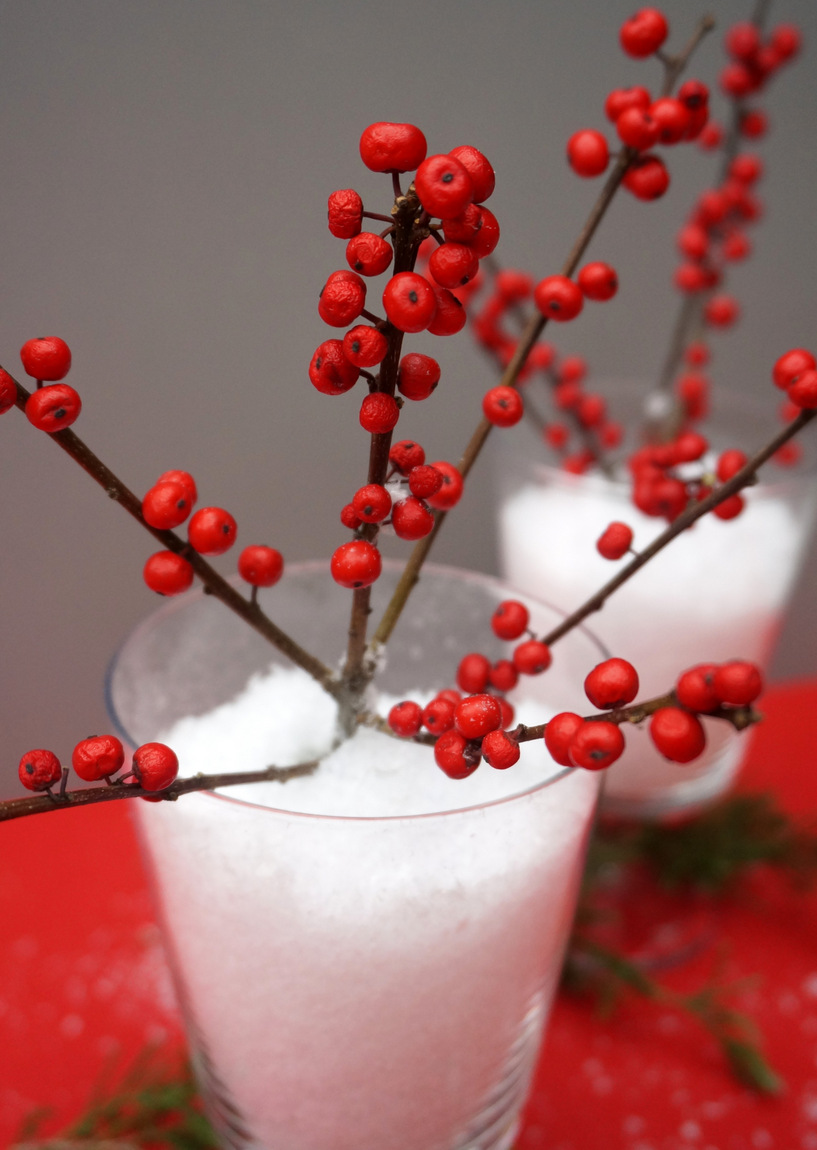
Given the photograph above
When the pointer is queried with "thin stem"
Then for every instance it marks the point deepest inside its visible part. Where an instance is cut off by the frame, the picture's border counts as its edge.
(41, 804)
(695, 511)
(214, 583)
(674, 65)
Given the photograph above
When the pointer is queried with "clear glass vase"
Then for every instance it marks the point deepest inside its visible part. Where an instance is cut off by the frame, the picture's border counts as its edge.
(718, 592)
(360, 983)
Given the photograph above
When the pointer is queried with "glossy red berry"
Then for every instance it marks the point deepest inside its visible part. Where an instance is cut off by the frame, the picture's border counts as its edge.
(418, 376)
(166, 505)
(47, 358)
(500, 750)
(647, 178)
(478, 168)
(587, 153)
(379, 413)
(167, 573)
(438, 715)
(486, 237)
(678, 735)
(155, 766)
(596, 745)
(386, 147)
(345, 212)
(473, 673)
(406, 455)
(790, 365)
(532, 657)
(342, 298)
(510, 619)
(672, 119)
(559, 733)
(503, 406)
(8, 391)
(212, 531)
(452, 265)
(330, 371)
(803, 391)
(444, 186)
(409, 303)
(356, 564)
(450, 316)
(476, 715)
(372, 503)
(53, 408)
(737, 683)
(613, 683)
(451, 489)
(637, 128)
(695, 688)
(620, 99)
(365, 346)
(558, 297)
(369, 254)
(185, 478)
(39, 770)
(260, 566)
(453, 755)
(644, 32)
(405, 718)
(98, 757)
(598, 281)
(503, 676)
(615, 541)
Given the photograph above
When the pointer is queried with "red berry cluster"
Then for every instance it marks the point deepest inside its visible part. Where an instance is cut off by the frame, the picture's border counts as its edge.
(53, 408)
(444, 206)
(153, 768)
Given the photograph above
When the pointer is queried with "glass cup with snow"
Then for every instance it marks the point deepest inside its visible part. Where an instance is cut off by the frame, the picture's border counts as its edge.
(365, 956)
(718, 592)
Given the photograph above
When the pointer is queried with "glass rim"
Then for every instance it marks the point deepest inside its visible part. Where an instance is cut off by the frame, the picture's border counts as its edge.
(320, 566)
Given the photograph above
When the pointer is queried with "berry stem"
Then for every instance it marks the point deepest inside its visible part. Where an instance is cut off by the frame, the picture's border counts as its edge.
(675, 65)
(214, 583)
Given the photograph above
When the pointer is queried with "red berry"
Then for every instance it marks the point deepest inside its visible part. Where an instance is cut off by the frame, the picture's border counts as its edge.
(615, 541)
(342, 298)
(486, 237)
(155, 766)
(166, 505)
(647, 178)
(386, 147)
(637, 128)
(477, 715)
(47, 358)
(167, 573)
(499, 750)
(596, 745)
(678, 735)
(510, 620)
(689, 447)
(330, 371)
(598, 281)
(451, 489)
(478, 168)
(8, 391)
(39, 770)
(556, 435)
(183, 477)
(737, 683)
(212, 531)
(559, 733)
(644, 32)
(53, 408)
(345, 213)
(473, 673)
(372, 503)
(729, 508)
(729, 463)
(365, 346)
(753, 123)
(450, 316)
(697, 354)
(379, 413)
(673, 119)
(503, 676)
(502, 406)
(348, 517)
(453, 755)
(587, 153)
(742, 41)
(532, 657)
(98, 757)
(620, 99)
(418, 376)
(452, 265)
(443, 186)
(356, 564)
(424, 481)
(368, 254)
(405, 718)
(409, 302)
(721, 311)
(695, 688)
(260, 566)
(786, 40)
(611, 684)
(737, 80)
(438, 715)
(746, 168)
(790, 365)
(406, 455)
(558, 297)
(803, 392)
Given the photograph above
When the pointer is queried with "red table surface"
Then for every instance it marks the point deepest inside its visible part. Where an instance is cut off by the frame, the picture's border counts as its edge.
(83, 977)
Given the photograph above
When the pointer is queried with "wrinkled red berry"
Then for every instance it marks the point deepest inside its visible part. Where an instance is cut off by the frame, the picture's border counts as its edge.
(39, 770)
(47, 358)
(53, 408)
(98, 757)
(499, 750)
(155, 766)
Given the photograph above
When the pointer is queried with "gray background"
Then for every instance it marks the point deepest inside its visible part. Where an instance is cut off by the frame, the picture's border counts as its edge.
(165, 172)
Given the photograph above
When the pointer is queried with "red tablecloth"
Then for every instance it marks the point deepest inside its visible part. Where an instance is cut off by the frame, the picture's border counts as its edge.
(82, 976)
